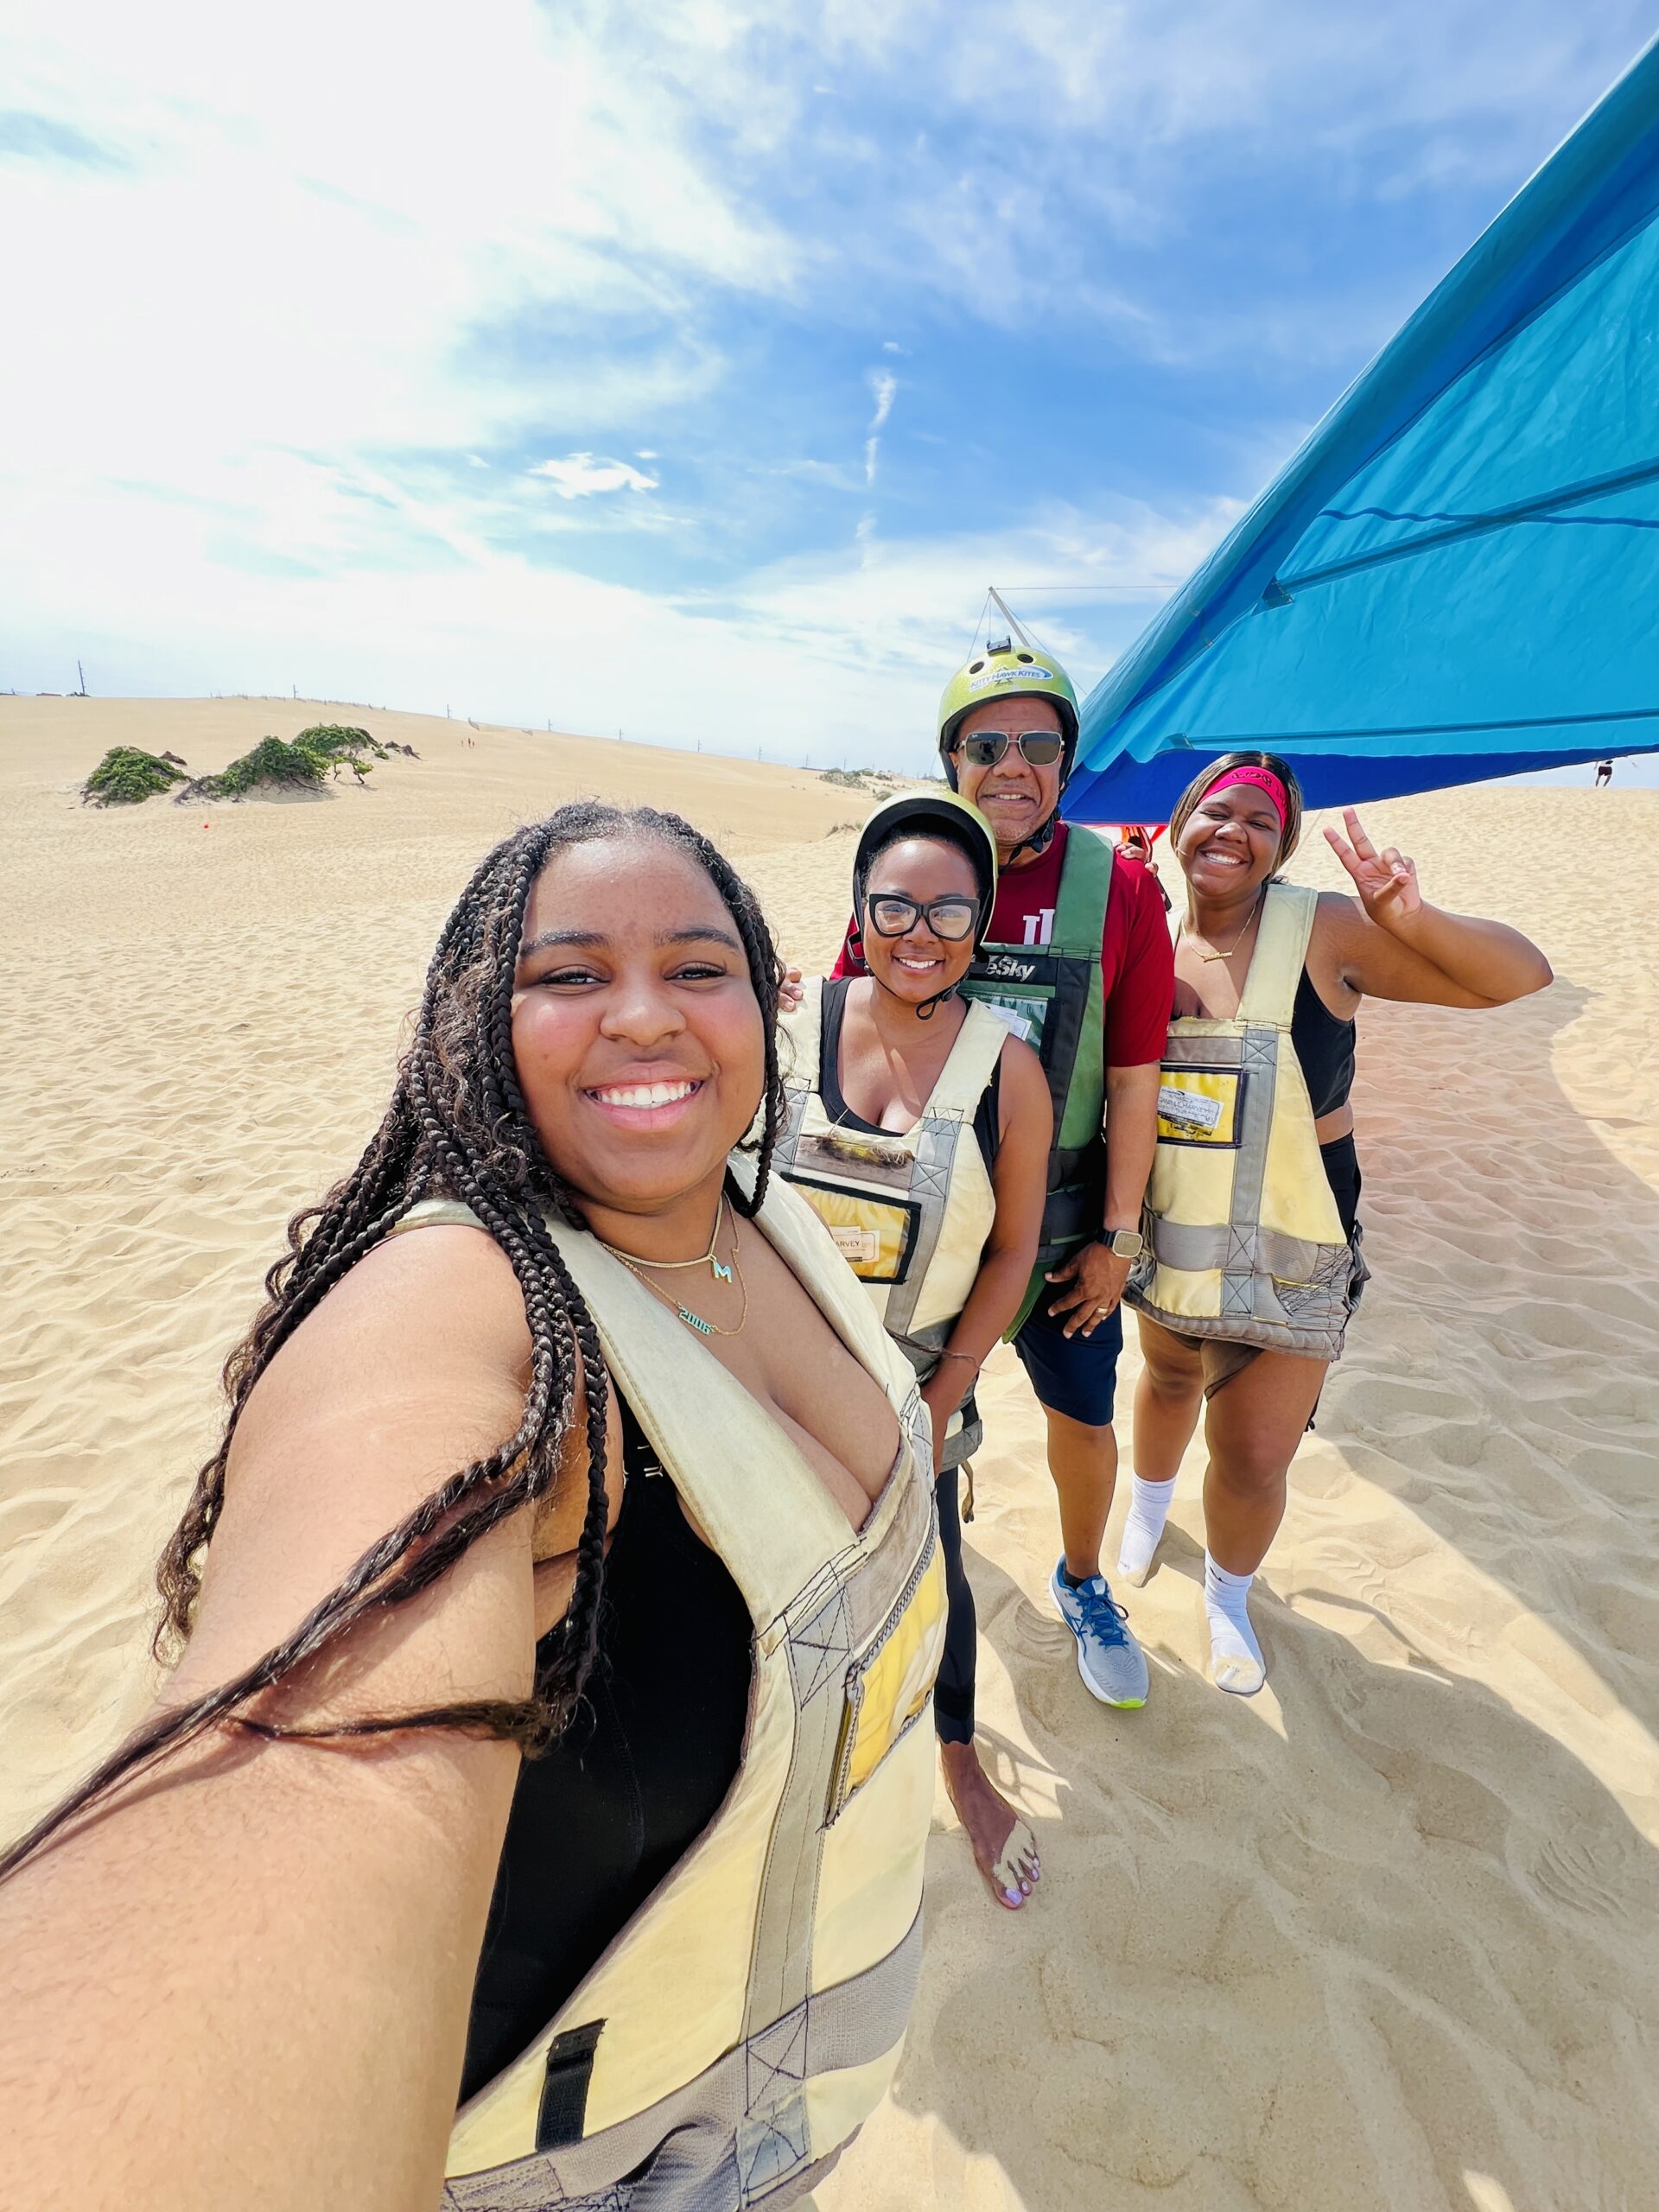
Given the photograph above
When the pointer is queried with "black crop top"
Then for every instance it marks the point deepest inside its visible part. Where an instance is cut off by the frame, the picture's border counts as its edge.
(988, 1114)
(1324, 1045)
(612, 1806)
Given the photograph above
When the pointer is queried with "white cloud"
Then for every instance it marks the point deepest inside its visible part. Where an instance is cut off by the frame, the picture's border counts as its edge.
(315, 238)
(294, 316)
(884, 387)
(579, 476)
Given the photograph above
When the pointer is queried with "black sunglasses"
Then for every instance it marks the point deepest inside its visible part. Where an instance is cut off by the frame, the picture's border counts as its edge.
(951, 919)
(1042, 748)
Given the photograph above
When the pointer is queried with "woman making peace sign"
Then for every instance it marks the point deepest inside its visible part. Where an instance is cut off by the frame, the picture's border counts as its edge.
(1253, 1264)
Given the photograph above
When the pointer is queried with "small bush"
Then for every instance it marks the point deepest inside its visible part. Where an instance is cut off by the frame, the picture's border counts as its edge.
(339, 742)
(271, 763)
(125, 775)
(867, 781)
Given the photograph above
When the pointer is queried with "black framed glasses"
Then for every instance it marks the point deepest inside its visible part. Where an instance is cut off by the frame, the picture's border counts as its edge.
(1041, 748)
(951, 919)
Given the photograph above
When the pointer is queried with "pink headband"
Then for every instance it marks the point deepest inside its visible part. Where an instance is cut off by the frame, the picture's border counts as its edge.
(1264, 780)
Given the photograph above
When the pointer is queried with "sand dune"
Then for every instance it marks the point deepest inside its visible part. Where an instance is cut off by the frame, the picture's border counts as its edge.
(1382, 1939)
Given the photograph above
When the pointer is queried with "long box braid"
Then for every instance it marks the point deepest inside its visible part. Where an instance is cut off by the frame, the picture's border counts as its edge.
(457, 1125)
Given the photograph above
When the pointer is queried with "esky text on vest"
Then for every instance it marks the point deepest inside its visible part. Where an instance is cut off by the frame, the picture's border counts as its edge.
(1053, 995)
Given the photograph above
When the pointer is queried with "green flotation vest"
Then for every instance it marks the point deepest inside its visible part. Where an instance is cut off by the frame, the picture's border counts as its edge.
(1054, 997)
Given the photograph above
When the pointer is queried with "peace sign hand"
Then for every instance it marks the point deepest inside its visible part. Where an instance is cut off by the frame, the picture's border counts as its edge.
(1386, 881)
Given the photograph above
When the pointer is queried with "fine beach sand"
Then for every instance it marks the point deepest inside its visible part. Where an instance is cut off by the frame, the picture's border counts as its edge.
(1382, 1940)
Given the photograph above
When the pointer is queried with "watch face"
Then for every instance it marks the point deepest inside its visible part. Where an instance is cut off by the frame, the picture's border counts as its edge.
(1127, 1244)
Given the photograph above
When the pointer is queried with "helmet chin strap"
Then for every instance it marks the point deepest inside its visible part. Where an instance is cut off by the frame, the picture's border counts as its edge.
(928, 1008)
(1038, 842)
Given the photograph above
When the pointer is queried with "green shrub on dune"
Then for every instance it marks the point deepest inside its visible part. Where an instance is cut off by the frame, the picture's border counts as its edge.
(341, 742)
(275, 763)
(858, 779)
(126, 775)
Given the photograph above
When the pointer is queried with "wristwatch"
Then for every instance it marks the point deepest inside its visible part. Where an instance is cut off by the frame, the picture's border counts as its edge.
(1124, 1243)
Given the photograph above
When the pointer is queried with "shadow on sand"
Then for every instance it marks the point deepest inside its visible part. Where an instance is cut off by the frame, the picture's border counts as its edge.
(1376, 1939)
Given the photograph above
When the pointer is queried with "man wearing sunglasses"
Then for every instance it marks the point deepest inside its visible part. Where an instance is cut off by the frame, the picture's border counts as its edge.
(1079, 961)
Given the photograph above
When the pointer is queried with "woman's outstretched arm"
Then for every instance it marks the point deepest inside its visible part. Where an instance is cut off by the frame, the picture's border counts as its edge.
(246, 1981)
(1390, 943)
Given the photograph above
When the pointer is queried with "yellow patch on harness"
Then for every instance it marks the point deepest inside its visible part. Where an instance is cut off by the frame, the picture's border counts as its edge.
(1200, 1105)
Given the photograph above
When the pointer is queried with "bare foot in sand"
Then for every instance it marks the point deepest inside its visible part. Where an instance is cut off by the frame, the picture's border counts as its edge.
(1004, 1848)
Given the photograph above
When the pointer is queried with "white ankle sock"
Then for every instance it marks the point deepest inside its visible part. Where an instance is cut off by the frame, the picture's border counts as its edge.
(1235, 1661)
(1149, 1505)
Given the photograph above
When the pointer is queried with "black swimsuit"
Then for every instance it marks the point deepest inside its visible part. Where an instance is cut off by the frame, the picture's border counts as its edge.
(603, 1815)
(954, 1689)
(988, 1116)
(1324, 1044)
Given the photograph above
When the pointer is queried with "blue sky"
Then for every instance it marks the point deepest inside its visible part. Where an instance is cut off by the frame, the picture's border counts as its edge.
(692, 370)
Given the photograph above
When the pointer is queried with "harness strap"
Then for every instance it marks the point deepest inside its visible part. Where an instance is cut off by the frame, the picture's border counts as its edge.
(935, 1142)
(1268, 998)
(971, 1065)
(437, 1213)
(805, 1030)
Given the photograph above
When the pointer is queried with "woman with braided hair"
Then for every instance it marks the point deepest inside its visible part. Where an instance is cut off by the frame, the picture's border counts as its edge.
(608, 1463)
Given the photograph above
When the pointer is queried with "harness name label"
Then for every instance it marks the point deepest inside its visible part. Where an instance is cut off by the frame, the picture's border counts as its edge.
(855, 1244)
(1189, 1110)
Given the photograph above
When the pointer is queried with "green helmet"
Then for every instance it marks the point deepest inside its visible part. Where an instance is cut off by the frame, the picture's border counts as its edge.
(1007, 672)
(939, 814)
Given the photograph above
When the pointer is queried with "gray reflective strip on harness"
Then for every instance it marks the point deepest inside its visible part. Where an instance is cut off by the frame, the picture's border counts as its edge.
(1259, 1059)
(923, 1350)
(1204, 1052)
(1188, 1246)
(796, 1101)
(930, 1184)
(828, 1626)
(720, 2144)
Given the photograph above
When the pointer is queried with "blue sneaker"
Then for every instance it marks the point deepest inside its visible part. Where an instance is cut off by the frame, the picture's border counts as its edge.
(1111, 1663)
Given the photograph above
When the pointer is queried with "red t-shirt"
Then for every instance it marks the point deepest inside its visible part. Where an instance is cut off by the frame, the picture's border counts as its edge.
(1137, 959)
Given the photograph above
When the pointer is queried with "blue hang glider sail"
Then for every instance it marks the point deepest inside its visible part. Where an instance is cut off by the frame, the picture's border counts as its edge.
(1458, 574)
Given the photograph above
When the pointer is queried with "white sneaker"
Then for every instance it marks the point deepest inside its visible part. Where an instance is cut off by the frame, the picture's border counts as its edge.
(1111, 1663)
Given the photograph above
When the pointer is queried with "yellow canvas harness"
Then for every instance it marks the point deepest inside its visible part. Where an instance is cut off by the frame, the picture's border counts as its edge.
(909, 1211)
(1244, 1239)
(738, 2030)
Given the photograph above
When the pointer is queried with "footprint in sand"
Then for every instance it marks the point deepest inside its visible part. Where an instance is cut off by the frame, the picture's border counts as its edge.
(1588, 1873)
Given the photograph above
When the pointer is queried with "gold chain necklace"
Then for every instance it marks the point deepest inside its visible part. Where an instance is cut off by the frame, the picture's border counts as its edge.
(703, 1259)
(721, 1274)
(1208, 957)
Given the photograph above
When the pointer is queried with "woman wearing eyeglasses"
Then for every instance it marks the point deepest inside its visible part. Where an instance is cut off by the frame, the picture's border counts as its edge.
(1077, 959)
(918, 1127)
